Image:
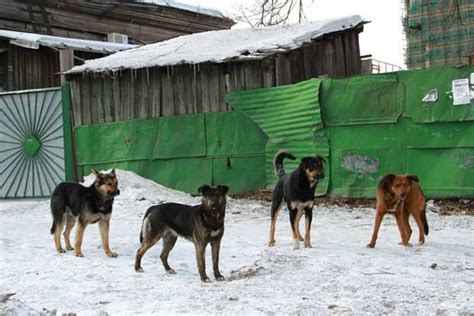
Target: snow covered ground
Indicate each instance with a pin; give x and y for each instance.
(338, 276)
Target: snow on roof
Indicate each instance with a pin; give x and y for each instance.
(33, 41)
(219, 46)
(187, 7)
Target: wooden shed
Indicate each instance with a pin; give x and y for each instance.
(191, 74)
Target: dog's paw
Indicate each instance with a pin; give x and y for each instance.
(78, 254)
(301, 238)
(220, 278)
(69, 248)
(170, 271)
(308, 246)
(370, 246)
(139, 270)
(296, 244)
(271, 243)
(206, 280)
(61, 250)
(112, 254)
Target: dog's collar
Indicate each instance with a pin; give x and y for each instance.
(394, 208)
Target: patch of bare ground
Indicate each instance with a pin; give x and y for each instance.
(454, 206)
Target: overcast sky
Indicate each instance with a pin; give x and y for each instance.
(383, 37)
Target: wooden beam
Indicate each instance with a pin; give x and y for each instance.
(66, 62)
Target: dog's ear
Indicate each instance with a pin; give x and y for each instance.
(223, 189)
(306, 160)
(412, 177)
(203, 188)
(96, 173)
(321, 158)
(113, 172)
(386, 181)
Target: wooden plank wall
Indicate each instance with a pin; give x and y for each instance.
(144, 23)
(32, 68)
(190, 89)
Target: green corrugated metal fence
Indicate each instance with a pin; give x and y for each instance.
(367, 126)
(291, 118)
(181, 152)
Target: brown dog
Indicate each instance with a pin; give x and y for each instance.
(401, 195)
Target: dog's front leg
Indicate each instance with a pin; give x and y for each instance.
(201, 260)
(401, 227)
(293, 215)
(308, 215)
(104, 225)
(406, 223)
(216, 246)
(79, 235)
(378, 220)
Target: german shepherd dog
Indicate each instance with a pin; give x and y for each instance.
(297, 189)
(200, 224)
(401, 195)
(89, 205)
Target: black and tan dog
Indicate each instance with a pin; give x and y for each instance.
(401, 195)
(71, 201)
(297, 190)
(200, 224)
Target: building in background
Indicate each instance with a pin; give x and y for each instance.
(439, 32)
(39, 39)
(142, 21)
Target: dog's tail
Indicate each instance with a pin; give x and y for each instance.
(278, 161)
(425, 222)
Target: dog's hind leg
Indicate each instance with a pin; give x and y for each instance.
(58, 228)
(150, 236)
(70, 221)
(58, 211)
(276, 206)
(169, 240)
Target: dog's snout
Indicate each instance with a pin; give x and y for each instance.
(215, 205)
(117, 192)
(403, 195)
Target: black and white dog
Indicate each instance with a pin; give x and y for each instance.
(297, 190)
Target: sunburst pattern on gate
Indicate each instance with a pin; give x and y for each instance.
(31, 143)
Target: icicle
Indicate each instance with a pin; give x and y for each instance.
(147, 77)
(194, 72)
(131, 74)
(168, 71)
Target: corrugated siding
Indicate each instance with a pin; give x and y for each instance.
(291, 118)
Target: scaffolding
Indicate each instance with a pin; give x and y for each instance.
(438, 32)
